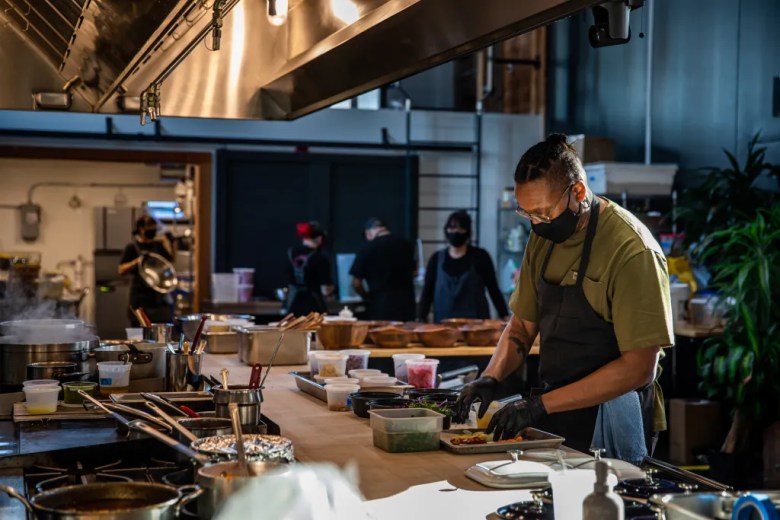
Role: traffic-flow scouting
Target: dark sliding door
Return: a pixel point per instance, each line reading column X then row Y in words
column 261, row 196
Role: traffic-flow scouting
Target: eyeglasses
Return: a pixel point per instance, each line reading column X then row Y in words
column 542, row 218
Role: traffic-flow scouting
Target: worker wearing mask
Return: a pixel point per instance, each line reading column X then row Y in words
column 594, row 286
column 386, row 263
column 456, row 277
column 158, row 307
column 311, row 281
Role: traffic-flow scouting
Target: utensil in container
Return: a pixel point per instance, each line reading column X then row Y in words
column 176, row 425
column 248, row 401
column 183, row 372
column 71, row 391
column 254, row 377
column 257, row 344
column 243, row 470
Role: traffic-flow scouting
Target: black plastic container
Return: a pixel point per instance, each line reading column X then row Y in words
column 360, row 401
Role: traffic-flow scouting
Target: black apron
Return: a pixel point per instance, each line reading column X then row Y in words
column 459, row 296
column 302, row 299
column 574, row 342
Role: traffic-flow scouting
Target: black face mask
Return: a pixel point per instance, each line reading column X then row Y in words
column 561, row 227
column 457, row 238
column 149, row 234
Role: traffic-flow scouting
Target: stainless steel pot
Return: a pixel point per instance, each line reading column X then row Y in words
column 248, row 401
column 189, row 324
column 21, row 327
column 222, row 479
column 158, row 332
column 206, row 426
column 109, row 501
column 148, row 359
column 16, row 354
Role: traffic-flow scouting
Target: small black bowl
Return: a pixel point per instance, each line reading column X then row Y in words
column 439, row 398
column 387, row 403
column 360, row 401
column 417, row 393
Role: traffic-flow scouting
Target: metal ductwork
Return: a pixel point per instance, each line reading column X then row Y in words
column 323, row 52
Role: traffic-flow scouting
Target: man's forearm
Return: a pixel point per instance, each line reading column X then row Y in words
column 511, row 351
column 614, row 379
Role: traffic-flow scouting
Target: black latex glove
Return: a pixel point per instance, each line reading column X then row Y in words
column 514, row 417
column 483, row 390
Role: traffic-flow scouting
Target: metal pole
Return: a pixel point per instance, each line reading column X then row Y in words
column 649, row 85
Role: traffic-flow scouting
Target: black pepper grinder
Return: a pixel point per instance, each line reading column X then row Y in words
column 602, row 504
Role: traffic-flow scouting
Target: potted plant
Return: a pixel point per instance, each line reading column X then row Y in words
column 742, row 366
column 729, row 196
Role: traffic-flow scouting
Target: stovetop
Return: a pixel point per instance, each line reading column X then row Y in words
column 661, row 478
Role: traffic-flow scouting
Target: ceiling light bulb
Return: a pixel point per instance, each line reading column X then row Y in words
column 277, row 11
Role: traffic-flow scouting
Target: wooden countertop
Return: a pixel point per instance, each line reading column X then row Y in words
column 691, row 331
column 320, row 435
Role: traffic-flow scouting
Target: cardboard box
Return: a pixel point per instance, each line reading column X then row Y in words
column 772, row 456
column 694, row 427
column 591, row 148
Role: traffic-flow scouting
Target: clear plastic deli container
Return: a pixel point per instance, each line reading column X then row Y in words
column 404, row 442
column 338, row 396
column 399, row 364
column 332, row 364
column 41, row 399
column 114, row 377
column 422, row 372
column 358, row 359
column 407, row 420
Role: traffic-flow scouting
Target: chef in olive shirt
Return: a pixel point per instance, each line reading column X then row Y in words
column 594, row 286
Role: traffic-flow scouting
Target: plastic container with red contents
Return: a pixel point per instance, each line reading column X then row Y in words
column 422, row 372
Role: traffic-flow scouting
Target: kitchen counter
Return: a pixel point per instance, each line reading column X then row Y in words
column 320, row 435
column 458, row 351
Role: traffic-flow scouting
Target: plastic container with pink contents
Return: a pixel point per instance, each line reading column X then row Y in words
column 422, row 372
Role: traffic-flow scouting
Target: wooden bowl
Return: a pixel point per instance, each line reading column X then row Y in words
column 438, row 337
column 378, row 324
column 391, row 337
column 457, row 323
column 481, row 336
column 335, row 335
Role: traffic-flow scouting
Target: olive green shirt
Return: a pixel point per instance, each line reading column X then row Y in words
column 626, row 282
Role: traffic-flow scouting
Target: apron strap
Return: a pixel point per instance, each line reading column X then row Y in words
column 588, row 245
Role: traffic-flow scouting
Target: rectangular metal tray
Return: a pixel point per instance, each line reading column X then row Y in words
column 533, row 439
column 308, row 385
column 221, row 342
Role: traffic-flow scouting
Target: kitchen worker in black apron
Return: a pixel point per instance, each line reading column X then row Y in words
column 158, row 307
column 311, row 281
column 386, row 263
column 458, row 276
column 594, row 286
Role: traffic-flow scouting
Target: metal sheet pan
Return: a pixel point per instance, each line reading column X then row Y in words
column 533, row 439
column 309, row 386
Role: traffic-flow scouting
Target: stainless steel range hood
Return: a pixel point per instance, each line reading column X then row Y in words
column 326, row 51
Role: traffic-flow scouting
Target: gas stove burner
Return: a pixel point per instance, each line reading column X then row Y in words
column 639, row 511
column 649, row 486
column 58, row 477
column 540, row 508
column 43, row 478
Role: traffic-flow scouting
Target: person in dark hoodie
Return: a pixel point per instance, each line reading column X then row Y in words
column 458, row 276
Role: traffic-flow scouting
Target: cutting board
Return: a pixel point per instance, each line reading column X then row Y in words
column 63, row 413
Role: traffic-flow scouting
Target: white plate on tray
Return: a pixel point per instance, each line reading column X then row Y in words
column 505, row 474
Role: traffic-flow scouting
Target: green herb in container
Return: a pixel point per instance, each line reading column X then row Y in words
column 72, row 388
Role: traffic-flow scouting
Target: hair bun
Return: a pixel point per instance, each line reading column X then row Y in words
column 556, row 139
